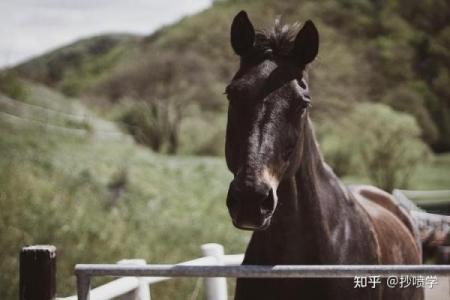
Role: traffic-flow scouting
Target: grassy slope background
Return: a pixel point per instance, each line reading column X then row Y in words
column 83, row 184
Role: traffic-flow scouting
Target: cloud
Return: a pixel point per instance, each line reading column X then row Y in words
column 32, row 27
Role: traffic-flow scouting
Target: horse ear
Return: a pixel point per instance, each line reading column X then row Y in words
column 306, row 45
column 242, row 34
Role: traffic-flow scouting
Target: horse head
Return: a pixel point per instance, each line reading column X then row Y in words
column 268, row 102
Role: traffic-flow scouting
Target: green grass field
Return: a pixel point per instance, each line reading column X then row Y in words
column 434, row 174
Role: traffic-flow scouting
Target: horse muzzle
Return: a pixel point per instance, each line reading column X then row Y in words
column 251, row 207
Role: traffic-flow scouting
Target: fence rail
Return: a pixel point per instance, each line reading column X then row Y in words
column 258, row 271
column 437, row 202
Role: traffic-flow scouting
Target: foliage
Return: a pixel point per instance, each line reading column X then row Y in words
column 76, row 67
column 148, row 123
column 11, row 85
column 389, row 145
column 166, row 97
column 375, row 141
column 337, row 148
column 406, row 42
column 409, row 99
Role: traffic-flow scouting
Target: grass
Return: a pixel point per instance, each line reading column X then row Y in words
column 431, row 175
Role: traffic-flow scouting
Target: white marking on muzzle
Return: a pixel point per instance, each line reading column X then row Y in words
column 272, row 180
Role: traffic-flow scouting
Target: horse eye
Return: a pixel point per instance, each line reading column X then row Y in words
column 288, row 152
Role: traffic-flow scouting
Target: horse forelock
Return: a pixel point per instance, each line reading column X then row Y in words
column 279, row 39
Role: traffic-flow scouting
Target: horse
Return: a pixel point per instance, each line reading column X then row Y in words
column 282, row 190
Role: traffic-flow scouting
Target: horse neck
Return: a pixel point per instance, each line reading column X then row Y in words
column 308, row 209
column 319, row 192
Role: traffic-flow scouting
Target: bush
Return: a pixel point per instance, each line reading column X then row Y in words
column 336, row 147
column 407, row 99
column 388, row 144
column 376, row 141
column 147, row 122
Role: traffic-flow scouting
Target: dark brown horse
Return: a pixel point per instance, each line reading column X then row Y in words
column 282, row 189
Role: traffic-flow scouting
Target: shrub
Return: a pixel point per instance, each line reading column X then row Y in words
column 376, row 141
column 388, row 144
column 336, row 149
column 147, row 122
column 407, row 99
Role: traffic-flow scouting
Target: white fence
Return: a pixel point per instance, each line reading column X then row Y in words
column 215, row 288
column 215, row 266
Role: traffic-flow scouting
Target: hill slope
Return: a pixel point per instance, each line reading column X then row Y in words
column 76, row 67
column 396, row 53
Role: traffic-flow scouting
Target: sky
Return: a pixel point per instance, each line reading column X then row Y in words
column 32, row 27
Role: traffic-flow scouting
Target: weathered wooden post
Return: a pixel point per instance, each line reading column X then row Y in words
column 216, row 287
column 83, row 286
column 37, row 273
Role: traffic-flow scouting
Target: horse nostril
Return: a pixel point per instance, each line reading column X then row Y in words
column 268, row 204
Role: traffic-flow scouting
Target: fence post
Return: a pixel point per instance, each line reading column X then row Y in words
column 216, row 287
column 83, row 286
column 37, row 272
column 143, row 290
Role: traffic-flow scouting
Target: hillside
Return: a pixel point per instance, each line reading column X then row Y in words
column 396, row 53
column 78, row 66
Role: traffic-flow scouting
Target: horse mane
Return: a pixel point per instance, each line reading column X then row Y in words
column 279, row 39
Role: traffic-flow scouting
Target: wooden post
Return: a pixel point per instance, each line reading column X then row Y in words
column 143, row 290
column 216, row 287
column 83, row 287
column 37, row 273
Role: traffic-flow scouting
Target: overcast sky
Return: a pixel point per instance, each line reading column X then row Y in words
column 32, row 27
